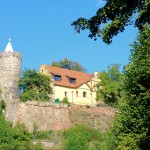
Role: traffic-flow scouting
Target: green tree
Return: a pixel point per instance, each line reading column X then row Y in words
column 82, row 138
column 69, row 64
column 15, row 138
column 109, row 88
column 113, row 17
column 132, row 126
column 9, row 138
column 35, row 86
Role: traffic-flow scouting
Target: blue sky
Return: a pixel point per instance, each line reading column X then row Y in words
column 41, row 30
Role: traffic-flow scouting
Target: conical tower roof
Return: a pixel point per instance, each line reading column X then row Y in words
column 9, row 46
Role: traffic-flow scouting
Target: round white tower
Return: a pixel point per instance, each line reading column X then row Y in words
column 10, row 70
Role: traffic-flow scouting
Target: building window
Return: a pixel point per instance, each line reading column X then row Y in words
column 65, row 94
column 76, row 93
column 57, row 78
column 84, row 94
column 72, row 80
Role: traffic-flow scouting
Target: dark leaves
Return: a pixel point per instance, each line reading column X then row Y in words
column 113, row 17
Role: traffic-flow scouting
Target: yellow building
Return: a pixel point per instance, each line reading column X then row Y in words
column 78, row 87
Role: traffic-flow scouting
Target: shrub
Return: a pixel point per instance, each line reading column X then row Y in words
column 65, row 100
column 41, row 134
column 2, row 106
column 81, row 137
column 87, row 106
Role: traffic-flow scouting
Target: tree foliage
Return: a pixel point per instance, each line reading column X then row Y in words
column 113, row 17
column 35, row 86
column 84, row 138
column 109, row 87
column 15, row 138
column 69, row 64
column 132, row 126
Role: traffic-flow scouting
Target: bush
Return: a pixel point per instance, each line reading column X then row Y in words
column 81, row 137
column 65, row 100
column 2, row 106
column 43, row 135
column 87, row 106
column 17, row 138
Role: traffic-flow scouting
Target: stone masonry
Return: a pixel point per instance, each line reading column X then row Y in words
column 45, row 115
column 10, row 69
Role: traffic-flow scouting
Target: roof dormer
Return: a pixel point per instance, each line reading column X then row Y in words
column 57, row 77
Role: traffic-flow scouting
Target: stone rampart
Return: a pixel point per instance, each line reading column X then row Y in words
column 45, row 115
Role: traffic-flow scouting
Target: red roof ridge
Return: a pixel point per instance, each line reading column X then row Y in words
column 68, row 69
column 81, row 77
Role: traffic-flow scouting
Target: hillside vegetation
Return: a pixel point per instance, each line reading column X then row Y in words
column 100, row 118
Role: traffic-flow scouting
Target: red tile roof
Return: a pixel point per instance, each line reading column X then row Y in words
column 80, row 77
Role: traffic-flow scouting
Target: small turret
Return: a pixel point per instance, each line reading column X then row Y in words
column 9, row 46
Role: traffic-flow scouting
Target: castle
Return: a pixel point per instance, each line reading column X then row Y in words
column 78, row 87
column 47, row 116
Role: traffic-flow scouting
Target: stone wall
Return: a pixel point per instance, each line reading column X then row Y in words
column 45, row 115
column 10, row 70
